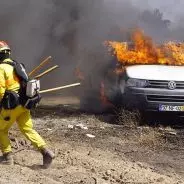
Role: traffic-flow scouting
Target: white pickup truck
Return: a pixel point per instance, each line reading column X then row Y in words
column 153, row 88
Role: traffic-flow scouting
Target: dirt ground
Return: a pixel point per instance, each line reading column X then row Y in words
column 96, row 149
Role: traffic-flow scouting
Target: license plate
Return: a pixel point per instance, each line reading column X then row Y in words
column 170, row 108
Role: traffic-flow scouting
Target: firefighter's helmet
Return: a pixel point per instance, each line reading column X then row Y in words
column 4, row 47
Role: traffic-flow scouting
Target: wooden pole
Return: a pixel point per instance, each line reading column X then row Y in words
column 59, row 88
column 45, row 61
column 46, row 72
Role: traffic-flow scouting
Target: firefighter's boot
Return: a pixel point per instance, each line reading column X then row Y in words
column 8, row 159
column 48, row 157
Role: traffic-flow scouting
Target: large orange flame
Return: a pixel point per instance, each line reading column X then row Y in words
column 144, row 51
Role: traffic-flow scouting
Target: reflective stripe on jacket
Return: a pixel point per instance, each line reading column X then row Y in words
column 8, row 79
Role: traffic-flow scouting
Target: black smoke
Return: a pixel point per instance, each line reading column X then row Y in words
column 72, row 32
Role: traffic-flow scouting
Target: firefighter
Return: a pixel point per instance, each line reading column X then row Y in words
column 10, row 82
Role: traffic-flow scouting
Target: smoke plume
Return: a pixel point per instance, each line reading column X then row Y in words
column 73, row 31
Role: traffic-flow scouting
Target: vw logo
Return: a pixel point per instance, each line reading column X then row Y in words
column 171, row 85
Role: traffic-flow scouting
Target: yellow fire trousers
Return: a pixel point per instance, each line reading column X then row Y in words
column 23, row 118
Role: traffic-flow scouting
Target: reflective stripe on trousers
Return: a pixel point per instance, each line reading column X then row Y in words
column 23, row 118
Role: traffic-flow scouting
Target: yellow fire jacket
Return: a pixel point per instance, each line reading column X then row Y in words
column 8, row 79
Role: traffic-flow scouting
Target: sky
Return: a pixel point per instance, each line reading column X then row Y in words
column 172, row 9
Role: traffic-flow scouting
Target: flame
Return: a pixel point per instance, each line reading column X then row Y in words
column 103, row 96
column 145, row 51
column 79, row 74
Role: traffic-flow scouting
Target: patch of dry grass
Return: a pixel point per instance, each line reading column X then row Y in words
column 129, row 119
column 150, row 137
column 145, row 136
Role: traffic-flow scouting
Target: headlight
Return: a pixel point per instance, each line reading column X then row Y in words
column 136, row 83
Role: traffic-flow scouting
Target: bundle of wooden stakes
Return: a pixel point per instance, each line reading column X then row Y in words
column 43, row 63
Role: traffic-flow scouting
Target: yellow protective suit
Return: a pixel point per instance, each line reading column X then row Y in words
column 8, row 81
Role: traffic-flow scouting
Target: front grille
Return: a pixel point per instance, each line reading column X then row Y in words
column 156, row 98
column 164, row 84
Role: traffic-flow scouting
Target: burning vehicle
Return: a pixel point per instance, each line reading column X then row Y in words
column 152, row 77
column 141, row 75
column 153, row 87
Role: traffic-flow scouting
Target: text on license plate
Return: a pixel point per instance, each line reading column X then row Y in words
column 170, row 108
